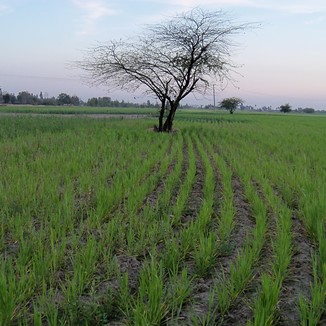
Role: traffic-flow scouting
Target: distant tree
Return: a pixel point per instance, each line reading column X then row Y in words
column 92, row 101
column 170, row 60
column 25, row 97
column 49, row 101
column 6, row 98
column 104, row 101
column 286, row 108
column 13, row 99
column 64, row 99
column 75, row 100
column 308, row 110
column 231, row 103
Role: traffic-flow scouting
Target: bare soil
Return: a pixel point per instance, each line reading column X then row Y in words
column 196, row 196
column 241, row 310
column 300, row 275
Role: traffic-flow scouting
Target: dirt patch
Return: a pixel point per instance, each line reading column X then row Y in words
column 184, row 169
column 244, row 224
column 196, row 195
column 132, row 266
column 218, row 189
column 152, row 198
column 241, row 310
column 300, row 275
column 126, row 264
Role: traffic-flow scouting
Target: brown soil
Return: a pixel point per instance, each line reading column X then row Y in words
column 196, row 195
column 241, row 310
column 300, row 275
column 244, row 223
column 152, row 198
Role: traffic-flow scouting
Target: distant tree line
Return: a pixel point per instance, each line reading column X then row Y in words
column 108, row 102
column 27, row 98
column 308, row 110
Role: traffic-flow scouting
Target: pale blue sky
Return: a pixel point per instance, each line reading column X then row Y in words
column 283, row 61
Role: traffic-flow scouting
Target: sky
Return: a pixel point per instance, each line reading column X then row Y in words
column 282, row 61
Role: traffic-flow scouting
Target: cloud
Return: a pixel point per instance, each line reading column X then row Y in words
column 215, row 3
column 289, row 6
column 315, row 21
column 93, row 11
column 298, row 7
column 4, row 9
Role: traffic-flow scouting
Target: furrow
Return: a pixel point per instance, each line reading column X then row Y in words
column 196, row 195
column 243, row 226
column 300, row 275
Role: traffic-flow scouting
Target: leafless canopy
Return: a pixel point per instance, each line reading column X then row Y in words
column 170, row 59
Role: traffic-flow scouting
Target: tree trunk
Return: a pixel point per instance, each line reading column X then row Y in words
column 167, row 127
column 161, row 116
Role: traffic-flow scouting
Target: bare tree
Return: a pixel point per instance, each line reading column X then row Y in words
column 169, row 60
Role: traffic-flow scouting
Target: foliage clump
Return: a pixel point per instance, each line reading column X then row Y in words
column 285, row 108
column 231, row 103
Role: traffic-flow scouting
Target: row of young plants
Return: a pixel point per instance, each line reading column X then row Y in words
column 292, row 179
column 196, row 241
column 88, row 206
column 199, row 241
column 97, row 234
column 91, row 214
column 53, row 193
column 164, row 281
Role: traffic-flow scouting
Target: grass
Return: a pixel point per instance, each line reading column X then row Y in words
column 92, row 217
column 27, row 109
